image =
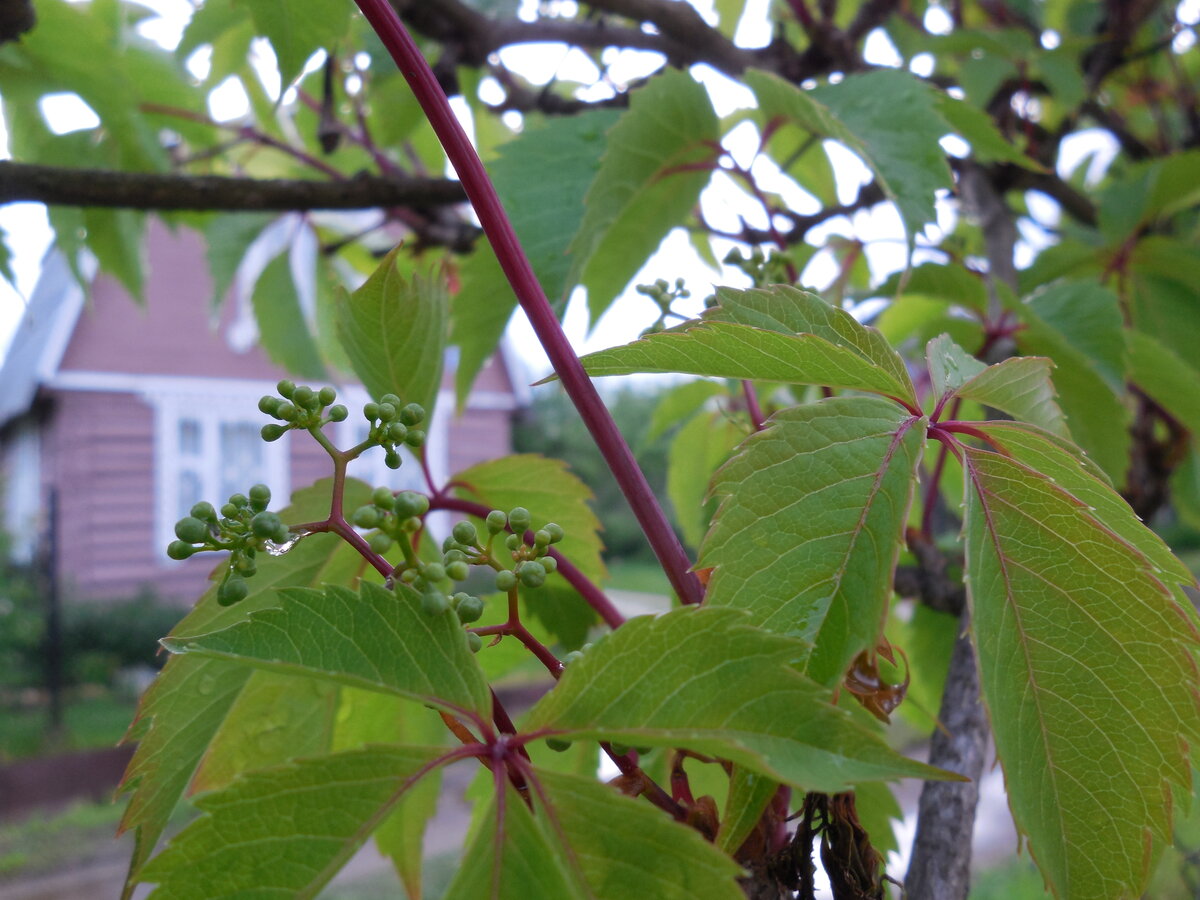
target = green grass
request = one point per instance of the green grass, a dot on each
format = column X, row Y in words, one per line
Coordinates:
column 634, row 575
column 88, row 722
column 45, row 842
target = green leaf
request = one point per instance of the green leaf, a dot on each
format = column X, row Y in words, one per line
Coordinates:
column 695, row 453
column 6, row 270
column 1169, row 381
column 551, row 493
column 749, row 794
column 977, row 128
column 703, row 680
column 186, row 705
column 295, row 37
column 677, row 403
column 811, row 523
column 1087, row 317
column 950, row 366
column 275, row 718
column 789, row 310
column 115, row 236
column 272, row 833
column 1021, row 387
column 545, row 212
column 374, row 639
column 227, row 237
column 647, row 183
column 739, row 351
column 888, row 117
column 394, row 332
column 283, row 328
column 367, row 717
column 1087, row 668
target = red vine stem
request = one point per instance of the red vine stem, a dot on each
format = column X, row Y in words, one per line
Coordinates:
column 482, row 195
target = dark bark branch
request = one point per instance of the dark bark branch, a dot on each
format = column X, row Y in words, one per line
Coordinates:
column 16, row 18
column 145, row 190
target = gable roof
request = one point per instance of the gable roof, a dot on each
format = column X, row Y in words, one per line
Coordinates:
column 42, row 336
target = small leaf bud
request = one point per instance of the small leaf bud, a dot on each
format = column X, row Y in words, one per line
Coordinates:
column 327, row 395
column 505, row 580
column 496, row 520
column 192, row 530
column 180, row 549
column 412, row 414
column 464, row 533
column 286, row 388
column 273, row 432
column 458, row 571
column 469, row 609
column 474, row 642
column 338, row 413
column 519, row 519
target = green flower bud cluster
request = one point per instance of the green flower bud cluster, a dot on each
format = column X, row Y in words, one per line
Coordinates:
column 771, row 268
column 392, row 425
column 394, row 516
column 244, row 527
column 663, row 295
column 532, row 562
column 299, row 407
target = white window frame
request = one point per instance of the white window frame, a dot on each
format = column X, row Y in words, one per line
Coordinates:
column 21, row 483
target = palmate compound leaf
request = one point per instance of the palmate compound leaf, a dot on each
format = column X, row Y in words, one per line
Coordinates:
column 586, row 841
column 187, row 705
column 1087, row 662
column 375, row 639
column 811, row 523
column 705, row 680
column 284, row 832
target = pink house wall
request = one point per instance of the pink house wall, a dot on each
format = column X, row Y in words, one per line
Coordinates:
column 99, row 445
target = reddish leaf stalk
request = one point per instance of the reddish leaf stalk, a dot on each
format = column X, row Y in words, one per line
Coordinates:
column 516, row 266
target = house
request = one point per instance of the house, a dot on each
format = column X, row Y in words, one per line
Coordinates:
column 133, row 413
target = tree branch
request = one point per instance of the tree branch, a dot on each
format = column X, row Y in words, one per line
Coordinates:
column 57, row 186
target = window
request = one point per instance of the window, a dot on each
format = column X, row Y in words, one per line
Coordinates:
column 207, row 447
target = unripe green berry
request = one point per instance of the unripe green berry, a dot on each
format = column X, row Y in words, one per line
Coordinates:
column 180, row 550
column 239, row 500
column 387, row 412
column 232, row 589
column 412, row 414
column 397, row 432
column 366, row 517
column 327, row 395
column 268, row 404
column 549, row 563
column 474, row 642
column 273, row 432
column 282, row 534
column 555, row 531
column 287, row 412
column 519, row 519
column 469, row 609
column 204, row 511
column 415, row 438
column 408, row 503
column 338, row 413
column 380, row 543
column 505, row 580
column 458, row 598
column 433, row 571
column 558, row 745
column 392, row 399
column 541, row 538
column 464, row 533
column 496, row 520
column 411, row 524
column 532, row 574
column 286, row 388
column 229, row 511
column 192, row 530
column 383, row 497
column 371, row 411
column 265, row 524
column 304, row 397
column 245, row 566
column 458, row 571
column 451, row 554
column 260, row 493
column 392, row 459
column 434, row 603
column 513, row 541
